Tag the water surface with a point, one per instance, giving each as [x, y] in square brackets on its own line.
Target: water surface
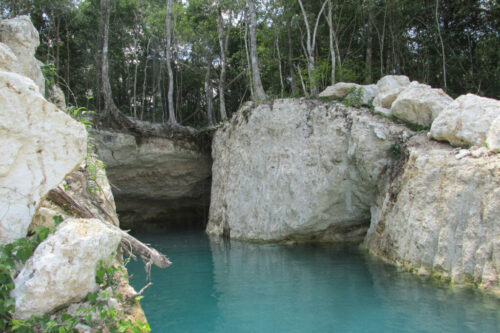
[217, 286]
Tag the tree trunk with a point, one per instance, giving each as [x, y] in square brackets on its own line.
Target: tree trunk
[442, 44]
[209, 92]
[106, 86]
[277, 43]
[311, 43]
[223, 44]
[369, 45]
[249, 64]
[293, 83]
[171, 110]
[258, 88]
[332, 39]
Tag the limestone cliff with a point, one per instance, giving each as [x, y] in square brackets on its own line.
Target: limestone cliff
[300, 169]
[155, 179]
[441, 215]
[312, 170]
[45, 152]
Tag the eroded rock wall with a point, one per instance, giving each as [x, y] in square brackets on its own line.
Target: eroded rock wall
[441, 216]
[300, 169]
[156, 179]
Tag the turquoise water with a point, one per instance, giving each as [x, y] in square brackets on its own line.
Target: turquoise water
[244, 287]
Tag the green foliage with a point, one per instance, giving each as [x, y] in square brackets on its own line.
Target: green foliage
[396, 151]
[13, 255]
[49, 72]
[354, 97]
[83, 115]
[99, 314]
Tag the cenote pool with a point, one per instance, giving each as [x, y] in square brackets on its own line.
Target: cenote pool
[245, 287]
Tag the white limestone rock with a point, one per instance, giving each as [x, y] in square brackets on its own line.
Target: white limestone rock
[388, 89]
[341, 90]
[62, 269]
[493, 137]
[22, 38]
[466, 121]
[299, 169]
[8, 60]
[420, 104]
[441, 216]
[39, 146]
[338, 90]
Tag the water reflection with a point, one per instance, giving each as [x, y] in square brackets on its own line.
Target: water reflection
[230, 286]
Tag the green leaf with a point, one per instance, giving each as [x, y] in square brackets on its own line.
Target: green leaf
[58, 219]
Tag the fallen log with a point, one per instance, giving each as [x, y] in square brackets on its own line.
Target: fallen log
[128, 243]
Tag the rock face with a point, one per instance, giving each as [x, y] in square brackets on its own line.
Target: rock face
[21, 37]
[342, 89]
[493, 137]
[155, 179]
[466, 121]
[74, 252]
[389, 87]
[441, 215]
[420, 104]
[299, 169]
[40, 145]
[8, 59]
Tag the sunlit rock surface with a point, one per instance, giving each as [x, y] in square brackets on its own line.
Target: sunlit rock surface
[21, 37]
[155, 179]
[299, 169]
[493, 137]
[40, 146]
[388, 89]
[466, 121]
[342, 89]
[63, 267]
[420, 104]
[441, 215]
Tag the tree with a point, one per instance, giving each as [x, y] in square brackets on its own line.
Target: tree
[171, 110]
[259, 93]
[311, 43]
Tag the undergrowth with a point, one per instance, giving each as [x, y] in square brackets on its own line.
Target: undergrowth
[96, 311]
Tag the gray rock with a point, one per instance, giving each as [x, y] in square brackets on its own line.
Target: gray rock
[466, 121]
[22, 38]
[420, 104]
[440, 216]
[155, 178]
[388, 89]
[63, 267]
[40, 146]
[299, 169]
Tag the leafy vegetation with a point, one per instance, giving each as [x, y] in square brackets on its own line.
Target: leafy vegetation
[12, 256]
[96, 313]
[454, 47]
[354, 97]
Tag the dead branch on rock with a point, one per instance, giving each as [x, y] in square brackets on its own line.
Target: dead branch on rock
[128, 243]
[129, 297]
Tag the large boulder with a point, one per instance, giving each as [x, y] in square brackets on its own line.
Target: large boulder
[388, 89]
[466, 121]
[8, 60]
[440, 216]
[63, 267]
[342, 89]
[493, 137]
[22, 38]
[296, 169]
[156, 179]
[40, 146]
[420, 104]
